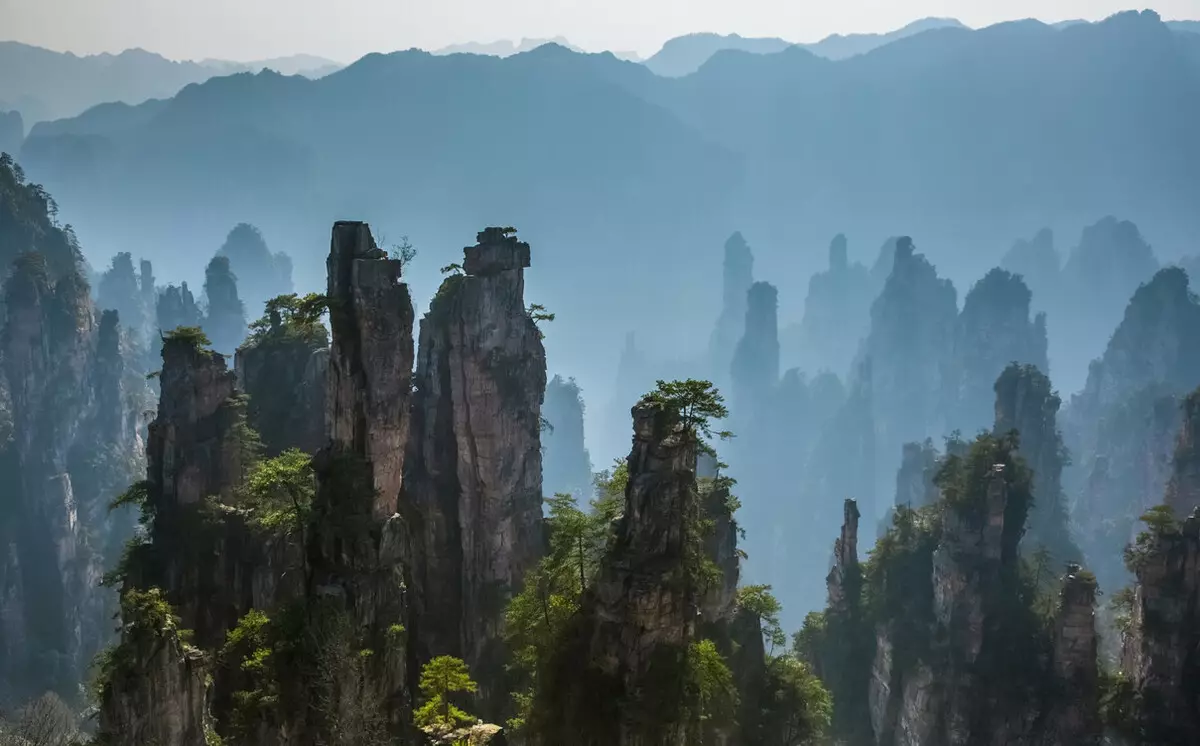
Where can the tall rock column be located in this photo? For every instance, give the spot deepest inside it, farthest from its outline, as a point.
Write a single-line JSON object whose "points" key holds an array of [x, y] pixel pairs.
{"points": [[1075, 716], [616, 679], [474, 482], [371, 360], [755, 366], [1026, 403], [737, 277]]}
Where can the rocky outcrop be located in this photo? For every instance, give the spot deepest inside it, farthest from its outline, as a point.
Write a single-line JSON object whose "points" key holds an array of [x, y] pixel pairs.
{"points": [[1158, 656], [473, 487], [721, 543], [1183, 489], [1025, 403], [261, 275], [225, 314], [754, 369], [994, 330], [154, 690], [1074, 716], [737, 277], [841, 581], [1037, 262], [52, 619], [909, 347], [370, 364], [1111, 260], [566, 465], [914, 479], [612, 679], [284, 371], [836, 315], [121, 289], [176, 307], [1120, 428]]}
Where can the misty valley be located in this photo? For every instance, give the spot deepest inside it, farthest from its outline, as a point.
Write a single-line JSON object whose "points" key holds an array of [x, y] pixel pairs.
{"points": [[888, 344]]}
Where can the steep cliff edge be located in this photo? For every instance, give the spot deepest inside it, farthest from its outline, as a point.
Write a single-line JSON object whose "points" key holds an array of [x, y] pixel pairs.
{"points": [[52, 619], [616, 681], [371, 360], [941, 642], [473, 483]]}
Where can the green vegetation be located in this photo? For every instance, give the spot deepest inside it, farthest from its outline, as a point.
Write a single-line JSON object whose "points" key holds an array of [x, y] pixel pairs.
{"points": [[191, 335], [292, 317], [441, 679], [280, 492], [696, 402], [709, 687], [758, 600], [1160, 522]]}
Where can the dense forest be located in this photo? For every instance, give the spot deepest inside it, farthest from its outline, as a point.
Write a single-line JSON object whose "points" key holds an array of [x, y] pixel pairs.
{"points": [[885, 505]]}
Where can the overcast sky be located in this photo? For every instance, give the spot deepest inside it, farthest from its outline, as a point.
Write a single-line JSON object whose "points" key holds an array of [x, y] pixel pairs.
{"points": [[344, 30]]}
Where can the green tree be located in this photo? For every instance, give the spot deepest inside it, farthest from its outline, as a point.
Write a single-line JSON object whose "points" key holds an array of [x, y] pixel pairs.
{"points": [[759, 600], [291, 315], [795, 706], [440, 678], [696, 402], [709, 685]]}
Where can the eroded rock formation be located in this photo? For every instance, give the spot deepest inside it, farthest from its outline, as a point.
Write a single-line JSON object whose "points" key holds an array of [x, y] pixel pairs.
{"points": [[737, 277], [1026, 403], [566, 465], [225, 314], [994, 330], [52, 614], [754, 369], [611, 679], [909, 347], [370, 363], [836, 315], [474, 478], [1121, 427]]}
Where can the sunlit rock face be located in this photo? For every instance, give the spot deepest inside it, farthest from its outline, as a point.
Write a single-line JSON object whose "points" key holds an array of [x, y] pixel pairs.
{"points": [[474, 478], [371, 359]]}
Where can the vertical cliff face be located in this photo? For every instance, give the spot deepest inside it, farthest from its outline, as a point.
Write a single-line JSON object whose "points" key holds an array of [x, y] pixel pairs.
{"points": [[120, 289], [994, 330], [52, 615], [1111, 260], [225, 314], [176, 307], [1026, 403], [1120, 428], [914, 478], [1183, 488], [567, 467], [616, 680], [474, 481], [1074, 713], [754, 369], [1159, 655], [721, 543], [371, 360], [737, 277], [840, 582], [909, 347]]}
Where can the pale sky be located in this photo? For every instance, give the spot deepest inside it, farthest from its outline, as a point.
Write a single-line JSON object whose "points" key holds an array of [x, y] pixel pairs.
{"points": [[344, 30]]}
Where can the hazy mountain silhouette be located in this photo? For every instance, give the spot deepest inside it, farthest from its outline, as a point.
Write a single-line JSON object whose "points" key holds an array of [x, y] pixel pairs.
{"points": [[685, 54], [504, 47], [627, 183], [44, 85]]}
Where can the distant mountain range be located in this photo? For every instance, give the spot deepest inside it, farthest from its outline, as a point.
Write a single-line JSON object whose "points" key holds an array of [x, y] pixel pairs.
{"points": [[627, 183], [45, 85], [685, 54]]}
